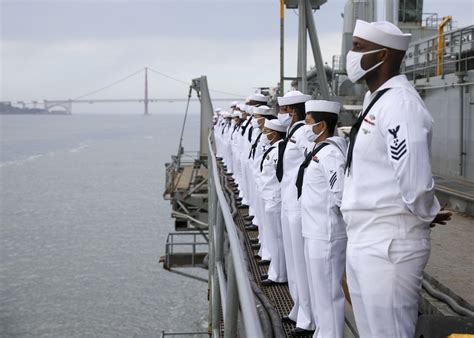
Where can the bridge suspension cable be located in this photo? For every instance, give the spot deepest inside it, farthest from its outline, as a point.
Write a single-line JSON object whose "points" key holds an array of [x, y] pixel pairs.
{"points": [[153, 71], [187, 83], [110, 85]]}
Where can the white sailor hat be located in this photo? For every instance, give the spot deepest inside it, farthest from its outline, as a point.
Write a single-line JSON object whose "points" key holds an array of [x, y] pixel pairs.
{"points": [[293, 97], [322, 106], [225, 114], [258, 97], [218, 110], [275, 125], [233, 104], [241, 106], [249, 109], [382, 33], [263, 111]]}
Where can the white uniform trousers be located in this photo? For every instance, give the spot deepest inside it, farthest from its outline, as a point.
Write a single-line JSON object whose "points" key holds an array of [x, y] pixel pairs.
{"points": [[384, 279], [274, 238], [243, 181], [236, 164], [325, 263], [290, 265], [251, 188], [305, 317], [264, 251]]}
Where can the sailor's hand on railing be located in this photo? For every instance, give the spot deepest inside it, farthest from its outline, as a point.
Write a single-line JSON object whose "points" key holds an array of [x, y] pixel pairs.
{"points": [[441, 218]]}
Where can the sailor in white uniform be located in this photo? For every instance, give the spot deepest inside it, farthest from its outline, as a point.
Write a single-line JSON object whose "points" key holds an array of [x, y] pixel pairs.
{"points": [[269, 192], [225, 139], [254, 100], [292, 114], [257, 156], [218, 120], [389, 194], [320, 182], [235, 141]]}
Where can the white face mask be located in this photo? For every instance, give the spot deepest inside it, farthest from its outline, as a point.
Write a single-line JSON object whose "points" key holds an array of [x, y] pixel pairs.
{"points": [[285, 119], [264, 139], [354, 67], [309, 134]]}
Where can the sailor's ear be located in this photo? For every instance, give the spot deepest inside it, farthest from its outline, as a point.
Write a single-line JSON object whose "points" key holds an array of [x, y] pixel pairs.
{"points": [[384, 54]]}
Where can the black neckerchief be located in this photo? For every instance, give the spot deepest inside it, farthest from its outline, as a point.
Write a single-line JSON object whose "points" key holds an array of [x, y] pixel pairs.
{"points": [[250, 134], [223, 128], [281, 151], [355, 129], [305, 164], [244, 127], [263, 158], [236, 127], [254, 146]]}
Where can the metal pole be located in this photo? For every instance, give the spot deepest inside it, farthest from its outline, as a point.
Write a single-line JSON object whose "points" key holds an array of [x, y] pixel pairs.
{"points": [[282, 46], [211, 222], [206, 116], [218, 252], [146, 91], [302, 49], [232, 302], [318, 60]]}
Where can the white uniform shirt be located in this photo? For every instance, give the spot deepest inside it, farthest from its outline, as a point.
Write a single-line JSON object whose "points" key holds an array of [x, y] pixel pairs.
{"points": [[389, 191], [292, 159], [269, 186], [322, 193]]}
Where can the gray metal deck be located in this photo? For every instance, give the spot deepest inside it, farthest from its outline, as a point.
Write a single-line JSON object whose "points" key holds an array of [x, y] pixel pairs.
{"points": [[452, 256]]}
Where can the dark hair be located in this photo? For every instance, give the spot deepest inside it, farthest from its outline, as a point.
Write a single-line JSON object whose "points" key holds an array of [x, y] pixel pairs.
{"points": [[329, 118], [282, 134], [300, 110], [269, 117]]}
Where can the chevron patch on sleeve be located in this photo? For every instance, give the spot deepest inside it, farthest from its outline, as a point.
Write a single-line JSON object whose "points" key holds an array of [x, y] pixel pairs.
{"points": [[398, 146], [333, 180]]}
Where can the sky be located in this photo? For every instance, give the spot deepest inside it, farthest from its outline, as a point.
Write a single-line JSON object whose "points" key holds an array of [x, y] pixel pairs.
{"points": [[61, 49]]}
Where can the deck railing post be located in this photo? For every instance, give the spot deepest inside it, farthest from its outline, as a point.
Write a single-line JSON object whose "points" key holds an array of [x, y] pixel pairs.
{"points": [[232, 301]]}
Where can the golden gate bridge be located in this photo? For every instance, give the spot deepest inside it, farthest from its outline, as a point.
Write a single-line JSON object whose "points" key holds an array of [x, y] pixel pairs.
{"points": [[66, 104]]}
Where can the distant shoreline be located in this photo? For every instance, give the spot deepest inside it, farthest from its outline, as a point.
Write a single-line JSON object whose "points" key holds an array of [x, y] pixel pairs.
{"points": [[8, 109]]}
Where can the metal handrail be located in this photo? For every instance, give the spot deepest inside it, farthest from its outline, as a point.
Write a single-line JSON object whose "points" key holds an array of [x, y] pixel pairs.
{"points": [[238, 285]]}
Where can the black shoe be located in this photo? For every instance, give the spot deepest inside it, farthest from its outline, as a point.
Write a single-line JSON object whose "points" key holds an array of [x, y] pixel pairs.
{"points": [[256, 246], [251, 228], [263, 262], [287, 319], [253, 241], [263, 277], [257, 256], [242, 206], [248, 218], [301, 332], [268, 282], [248, 223]]}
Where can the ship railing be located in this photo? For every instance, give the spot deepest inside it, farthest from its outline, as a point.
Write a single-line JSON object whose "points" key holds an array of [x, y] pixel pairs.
{"points": [[176, 165], [227, 293], [457, 55], [191, 251]]}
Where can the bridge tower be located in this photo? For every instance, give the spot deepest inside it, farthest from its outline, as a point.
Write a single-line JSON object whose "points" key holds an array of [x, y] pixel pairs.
{"points": [[146, 91]]}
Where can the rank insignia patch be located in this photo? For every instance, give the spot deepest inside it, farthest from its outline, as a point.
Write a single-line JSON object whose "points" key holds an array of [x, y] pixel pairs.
{"points": [[333, 180], [398, 146]]}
